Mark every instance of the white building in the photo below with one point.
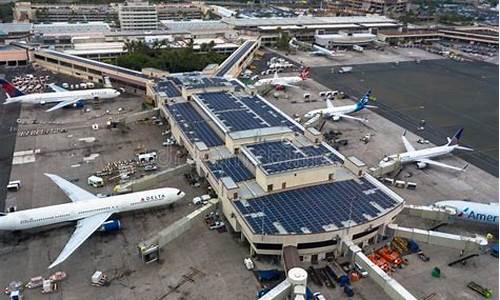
(138, 15)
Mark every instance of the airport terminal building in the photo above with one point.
(277, 182)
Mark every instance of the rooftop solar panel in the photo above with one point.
(220, 101)
(266, 112)
(315, 209)
(231, 167)
(169, 88)
(193, 125)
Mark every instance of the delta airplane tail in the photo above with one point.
(10, 90)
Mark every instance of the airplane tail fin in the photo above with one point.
(329, 104)
(364, 100)
(456, 138)
(10, 89)
(306, 73)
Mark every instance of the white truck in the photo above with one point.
(358, 48)
(344, 70)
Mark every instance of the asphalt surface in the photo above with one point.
(446, 94)
(8, 132)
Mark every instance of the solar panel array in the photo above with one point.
(315, 209)
(231, 167)
(281, 156)
(193, 125)
(197, 82)
(266, 112)
(243, 113)
(169, 88)
(228, 63)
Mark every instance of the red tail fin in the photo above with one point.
(306, 73)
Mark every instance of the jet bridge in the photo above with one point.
(468, 244)
(445, 215)
(149, 250)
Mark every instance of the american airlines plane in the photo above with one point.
(423, 157)
(60, 95)
(338, 112)
(472, 211)
(88, 210)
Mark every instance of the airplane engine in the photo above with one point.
(78, 104)
(335, 118)
(421, 165)
(110, 226)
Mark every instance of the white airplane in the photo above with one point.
(320, 51)
(88, 210)
(472, 211)
(338, 112)
(60, 95)
(280, 82)
(423, 157)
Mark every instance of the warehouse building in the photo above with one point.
(278, 183)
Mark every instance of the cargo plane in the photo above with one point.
(89, 211)
(423, 157)
(61, 96)
(337, 112)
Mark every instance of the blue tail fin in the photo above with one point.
(364, 100)
(456, 137)
(10, 89)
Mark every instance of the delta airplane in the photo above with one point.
(280, 82)
(472, 211)
(337, 112)
(422, 157)
(88, 210)
(60, 95)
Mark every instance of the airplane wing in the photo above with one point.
(435, 163)
(74, 192)
(63, 104)
(407, 144)
(286, 84)
(84, 229)
(57, 88)
(350, 117)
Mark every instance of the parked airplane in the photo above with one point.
(60, 95)
(337, 112)
(320, 51)
(280, 82)
(472, 211)
(422, 157)
(88, 210)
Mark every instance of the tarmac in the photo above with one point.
(446, 94)
(433, 184)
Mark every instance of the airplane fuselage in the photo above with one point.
(416, 155)
(331, 112)
(41, 98)
(473, 211)
(43, 216)
(279, 81)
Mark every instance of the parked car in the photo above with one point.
(217, 225)
(201, 200)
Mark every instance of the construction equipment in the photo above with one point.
(392, 256)
(486, 293)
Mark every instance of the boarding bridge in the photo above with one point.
(443, 215)
(293, 287)
(391, 287)
(237, 61)
(149, 250)
(454, 241)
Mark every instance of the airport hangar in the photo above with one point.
(277, 182)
